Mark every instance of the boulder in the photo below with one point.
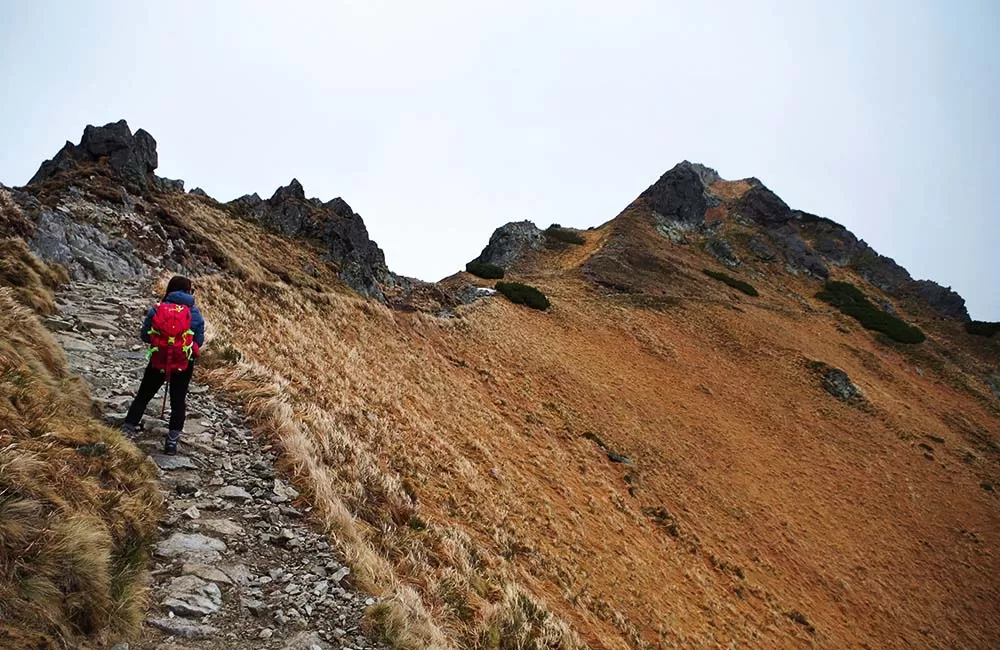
(839, 384)
(509, 242)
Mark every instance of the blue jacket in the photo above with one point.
(178, 298)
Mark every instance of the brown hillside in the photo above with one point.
(651, 462)
(758, 510)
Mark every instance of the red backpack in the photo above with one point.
(171, 340)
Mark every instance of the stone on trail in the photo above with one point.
(206, 572)
(233, 492)
(168, 463)
(341, 573)
(306, 641)
(190, 546)
(73, 344)
(223, 527)
(239, 573)
(189, 595)
(183, 628)
(283, 493)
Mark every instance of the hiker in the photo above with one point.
(175, 332)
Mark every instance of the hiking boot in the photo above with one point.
(129, 430)
(170, 444)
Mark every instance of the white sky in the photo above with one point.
(440, 121)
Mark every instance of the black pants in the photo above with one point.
(152, 379)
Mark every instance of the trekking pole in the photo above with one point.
(166, 391)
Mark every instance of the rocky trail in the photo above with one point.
(238, 564)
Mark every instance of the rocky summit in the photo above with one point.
(333, 224)
(714, 420)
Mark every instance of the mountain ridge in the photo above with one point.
(683, 196)
(659, 459)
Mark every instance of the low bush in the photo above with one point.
(982, 328)
(745, 287)
(484, 270)
(523, 294)
(558, 233)
(851, 301)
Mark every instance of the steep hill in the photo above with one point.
(657, 460)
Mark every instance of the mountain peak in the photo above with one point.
(131, 157)
(293, 190)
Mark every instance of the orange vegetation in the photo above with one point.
(456, 460)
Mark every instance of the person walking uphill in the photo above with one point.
(175, 331)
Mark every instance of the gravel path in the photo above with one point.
(238, 564)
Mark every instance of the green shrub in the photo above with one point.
(557, 232)
(982, 328)
(851, 301)
(745, 287)
(484, 270)
(523, 294)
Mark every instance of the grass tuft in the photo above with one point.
(75, 528)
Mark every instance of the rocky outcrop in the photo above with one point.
(722, 251)
(509, 242)
(131, 157)
(942, 300)
(797, 252)
(763, 206)
(87, 252)
(836, 382)
(682, 194)
(761, 248)
(333, 224)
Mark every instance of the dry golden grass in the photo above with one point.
(78, 504)
(448, 458)
(31, 280)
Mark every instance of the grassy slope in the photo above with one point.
(448, 456)
(74, 526)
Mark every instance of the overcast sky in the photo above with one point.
(440, 121)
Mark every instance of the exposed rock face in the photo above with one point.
(509, 242)
(763, 206)
(761, 248)
(722, 251)
(682, 194)
(942, 300)
(87, 252)
(798, 252)
(132, 158)
(805, 242)
(333, 224)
